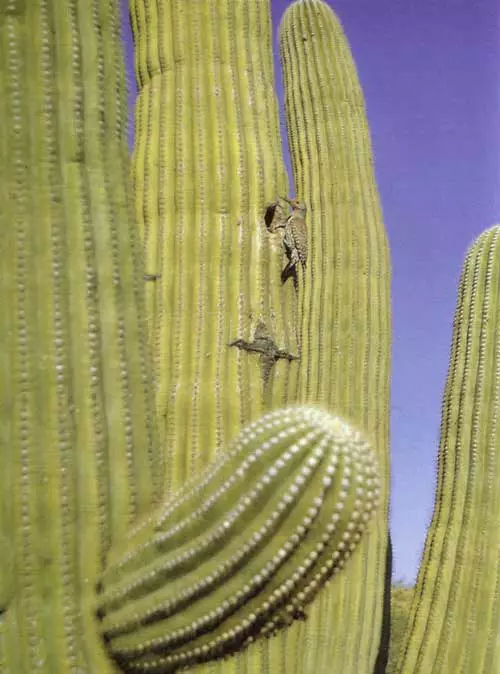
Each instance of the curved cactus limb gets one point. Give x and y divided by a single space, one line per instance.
240 551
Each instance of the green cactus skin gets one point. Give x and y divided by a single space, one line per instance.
344 303
207 160
79 457
455 620
79 460
244 548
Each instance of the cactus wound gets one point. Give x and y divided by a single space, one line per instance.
264 345
241 550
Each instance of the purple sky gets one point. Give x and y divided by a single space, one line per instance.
429 72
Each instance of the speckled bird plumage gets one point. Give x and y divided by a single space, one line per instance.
295 239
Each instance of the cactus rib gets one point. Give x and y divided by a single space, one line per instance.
241 551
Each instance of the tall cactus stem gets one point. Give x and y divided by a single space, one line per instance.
207 161
79 458
344 303
455 616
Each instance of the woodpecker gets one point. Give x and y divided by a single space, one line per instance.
295 239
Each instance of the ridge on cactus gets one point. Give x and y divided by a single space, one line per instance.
242 549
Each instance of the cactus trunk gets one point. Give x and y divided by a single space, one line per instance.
79 459
206 161
344 305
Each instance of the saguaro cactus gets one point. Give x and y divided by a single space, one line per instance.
455 620
206 160
344 302
79 457
201 207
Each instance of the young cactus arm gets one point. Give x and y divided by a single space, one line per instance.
241 550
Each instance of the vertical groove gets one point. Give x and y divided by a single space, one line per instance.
7 350
222 164
27 602
199 252
59 476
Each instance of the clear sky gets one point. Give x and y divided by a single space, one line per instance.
430 74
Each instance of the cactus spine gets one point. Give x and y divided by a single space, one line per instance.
206 160
76 403
344 304
455 621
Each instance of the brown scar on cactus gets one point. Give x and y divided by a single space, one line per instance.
243 548
263 344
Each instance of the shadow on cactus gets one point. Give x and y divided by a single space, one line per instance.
242 549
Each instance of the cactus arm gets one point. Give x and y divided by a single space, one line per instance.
344 301
454 618
242 550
